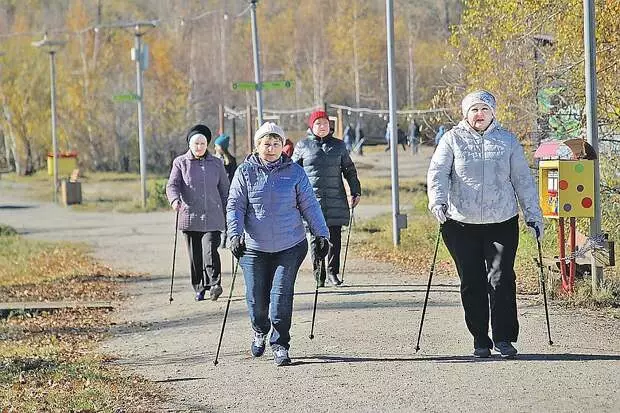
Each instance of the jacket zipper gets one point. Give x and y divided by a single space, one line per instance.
482 189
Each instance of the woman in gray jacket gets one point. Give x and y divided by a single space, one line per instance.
477 178
270 196
197 189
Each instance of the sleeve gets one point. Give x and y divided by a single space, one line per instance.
237 204
297 155
350 173
438 175
309 206
524 184
223 186
175 181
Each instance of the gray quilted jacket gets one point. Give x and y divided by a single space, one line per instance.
326 161
482 178
202 187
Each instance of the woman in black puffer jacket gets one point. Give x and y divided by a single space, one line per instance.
326 160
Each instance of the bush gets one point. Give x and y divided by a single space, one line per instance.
156 195
7 231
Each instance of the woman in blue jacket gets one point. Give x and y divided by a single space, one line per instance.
270 197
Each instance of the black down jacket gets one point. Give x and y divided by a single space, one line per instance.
326 161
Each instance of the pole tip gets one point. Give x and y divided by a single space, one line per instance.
311 336
215 362
417 348
550 342
170 300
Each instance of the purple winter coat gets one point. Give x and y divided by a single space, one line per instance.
202 187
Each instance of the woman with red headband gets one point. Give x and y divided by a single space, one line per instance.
326 160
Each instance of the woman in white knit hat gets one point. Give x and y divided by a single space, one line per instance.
477 179
270 197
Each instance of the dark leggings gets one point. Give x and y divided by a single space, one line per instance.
484 255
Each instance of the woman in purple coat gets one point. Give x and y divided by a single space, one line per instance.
197 189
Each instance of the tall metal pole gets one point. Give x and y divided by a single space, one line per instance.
257 78
140 93
53 114
389 15
592 124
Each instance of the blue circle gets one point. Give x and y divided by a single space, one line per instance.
580 188
567 207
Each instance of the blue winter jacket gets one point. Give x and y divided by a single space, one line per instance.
269 206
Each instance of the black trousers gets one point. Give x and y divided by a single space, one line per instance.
484 255
333 255
204 259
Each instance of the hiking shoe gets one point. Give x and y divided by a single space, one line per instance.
506 349
200 295
333 279
215 292
280 355
482 352
258 344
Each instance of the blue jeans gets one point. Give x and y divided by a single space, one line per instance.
270 279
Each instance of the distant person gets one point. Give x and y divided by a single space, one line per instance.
288 148
347 137
197 189
270 198
401 137
221 151
477 179
326 161
359 139
439 134
414 137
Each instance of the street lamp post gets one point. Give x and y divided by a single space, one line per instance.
257 77
52 47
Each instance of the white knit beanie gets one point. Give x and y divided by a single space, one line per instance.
268 128
479 96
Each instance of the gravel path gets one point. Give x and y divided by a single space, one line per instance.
362 357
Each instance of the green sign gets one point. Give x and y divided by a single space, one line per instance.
278 84
127 97
244 86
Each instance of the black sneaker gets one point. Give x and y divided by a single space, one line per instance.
280 355
506 349
258 344
482 352
333 280
215 292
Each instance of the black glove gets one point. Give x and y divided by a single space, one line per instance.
237 247
321 245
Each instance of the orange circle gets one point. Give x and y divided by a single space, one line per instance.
563 184
586 202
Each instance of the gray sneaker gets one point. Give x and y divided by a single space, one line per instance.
215 292
258 344
506 349
280 355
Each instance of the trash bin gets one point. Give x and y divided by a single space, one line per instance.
71 192
67 162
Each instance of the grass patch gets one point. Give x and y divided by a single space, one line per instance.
48 361
379 191
373 238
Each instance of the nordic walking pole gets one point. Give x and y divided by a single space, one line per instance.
346 248
232 286
428 288
316 296
544 290
174 254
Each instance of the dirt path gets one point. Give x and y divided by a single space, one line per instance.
362 358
